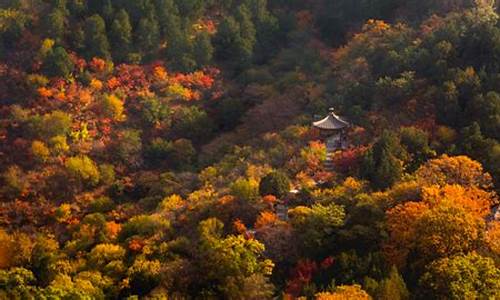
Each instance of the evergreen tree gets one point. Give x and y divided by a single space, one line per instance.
247 35
168 19
226 39
267 29
416 142
383 163
121 35
486 109
203 49
77 40
267 36
58 63
276 184
191 8
54 25
148 36
101 7
96 41
474 143
192 123
235 38
180 52
388 171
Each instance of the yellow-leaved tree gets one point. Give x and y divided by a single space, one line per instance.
345 292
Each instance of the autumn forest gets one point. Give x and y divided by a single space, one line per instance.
249 149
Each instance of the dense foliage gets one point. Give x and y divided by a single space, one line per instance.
155 149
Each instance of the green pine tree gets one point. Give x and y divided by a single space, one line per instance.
383 163
58 63
148 36
168 19
121 35
203 49
54 25
96 41
247 35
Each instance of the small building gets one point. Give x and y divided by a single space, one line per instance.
333 130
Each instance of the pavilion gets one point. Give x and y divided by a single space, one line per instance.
333 130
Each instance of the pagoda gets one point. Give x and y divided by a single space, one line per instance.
333 131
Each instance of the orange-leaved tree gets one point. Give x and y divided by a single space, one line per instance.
449 220
454 170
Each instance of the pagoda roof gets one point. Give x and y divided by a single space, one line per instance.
331 122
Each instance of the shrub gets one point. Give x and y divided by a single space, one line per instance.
276 184
83 169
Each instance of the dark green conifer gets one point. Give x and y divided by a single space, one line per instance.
96 41
121 35
58 63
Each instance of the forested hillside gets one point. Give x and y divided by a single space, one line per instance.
164 149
